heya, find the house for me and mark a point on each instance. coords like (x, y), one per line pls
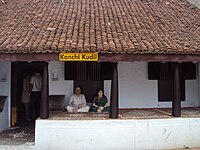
(146, 48)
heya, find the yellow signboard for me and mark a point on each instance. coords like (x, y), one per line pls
(78, 56)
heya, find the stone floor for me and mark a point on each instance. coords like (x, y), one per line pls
(153, 113)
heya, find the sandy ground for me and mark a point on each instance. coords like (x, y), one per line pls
(18, 138)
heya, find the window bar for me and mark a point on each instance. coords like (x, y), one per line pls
(96, 77)
(94, 67)
(82, 71)
(87, 71)
(161, 71)
(78, 70)
(98, 64)
(84, 74)
(94, 71)
(77, 76)
(91, 71)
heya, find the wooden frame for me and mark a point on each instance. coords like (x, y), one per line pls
(105, 57)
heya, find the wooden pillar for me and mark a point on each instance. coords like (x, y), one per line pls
(176, 103)
(14, 75)
(44, 105)
(114, 94)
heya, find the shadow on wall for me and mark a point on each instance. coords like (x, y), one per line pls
(57, 102)
(2, 102)
(3, 75)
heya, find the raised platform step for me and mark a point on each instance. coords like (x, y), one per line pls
(126, 134)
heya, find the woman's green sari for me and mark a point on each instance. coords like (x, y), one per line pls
(102, 102)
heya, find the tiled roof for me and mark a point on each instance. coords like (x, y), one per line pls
(106, 26)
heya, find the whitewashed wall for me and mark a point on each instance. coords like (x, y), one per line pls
(139, 92)
(5, 90)
(59, 86)
(135, 90)
(112, 134)
(107, 88)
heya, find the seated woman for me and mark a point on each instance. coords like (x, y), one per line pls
(77, 102)
(100, 103)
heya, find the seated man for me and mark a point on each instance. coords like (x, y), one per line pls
(100, 103)
(77, 102)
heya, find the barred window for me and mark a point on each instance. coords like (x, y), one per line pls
(163, 73)
(88, 71)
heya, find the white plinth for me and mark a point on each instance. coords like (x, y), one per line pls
(117, 134)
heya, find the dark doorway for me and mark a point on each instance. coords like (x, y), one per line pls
(89, 88)
(18, 72)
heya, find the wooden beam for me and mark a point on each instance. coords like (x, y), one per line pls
(149, 57)
(176, 102)
(44, 105)
(29, 57)
(114, 108)
(14, 87)
(105, 57)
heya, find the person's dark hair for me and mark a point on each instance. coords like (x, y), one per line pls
(77, 87)
(99, 90)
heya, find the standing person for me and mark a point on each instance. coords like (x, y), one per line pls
(35, 92)
(77, 102)
(26, 96)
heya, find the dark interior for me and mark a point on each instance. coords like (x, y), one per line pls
(19, 71)
(89, 88)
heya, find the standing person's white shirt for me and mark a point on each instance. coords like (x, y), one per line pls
(35, 92)
(77, 102)
(36, 81)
